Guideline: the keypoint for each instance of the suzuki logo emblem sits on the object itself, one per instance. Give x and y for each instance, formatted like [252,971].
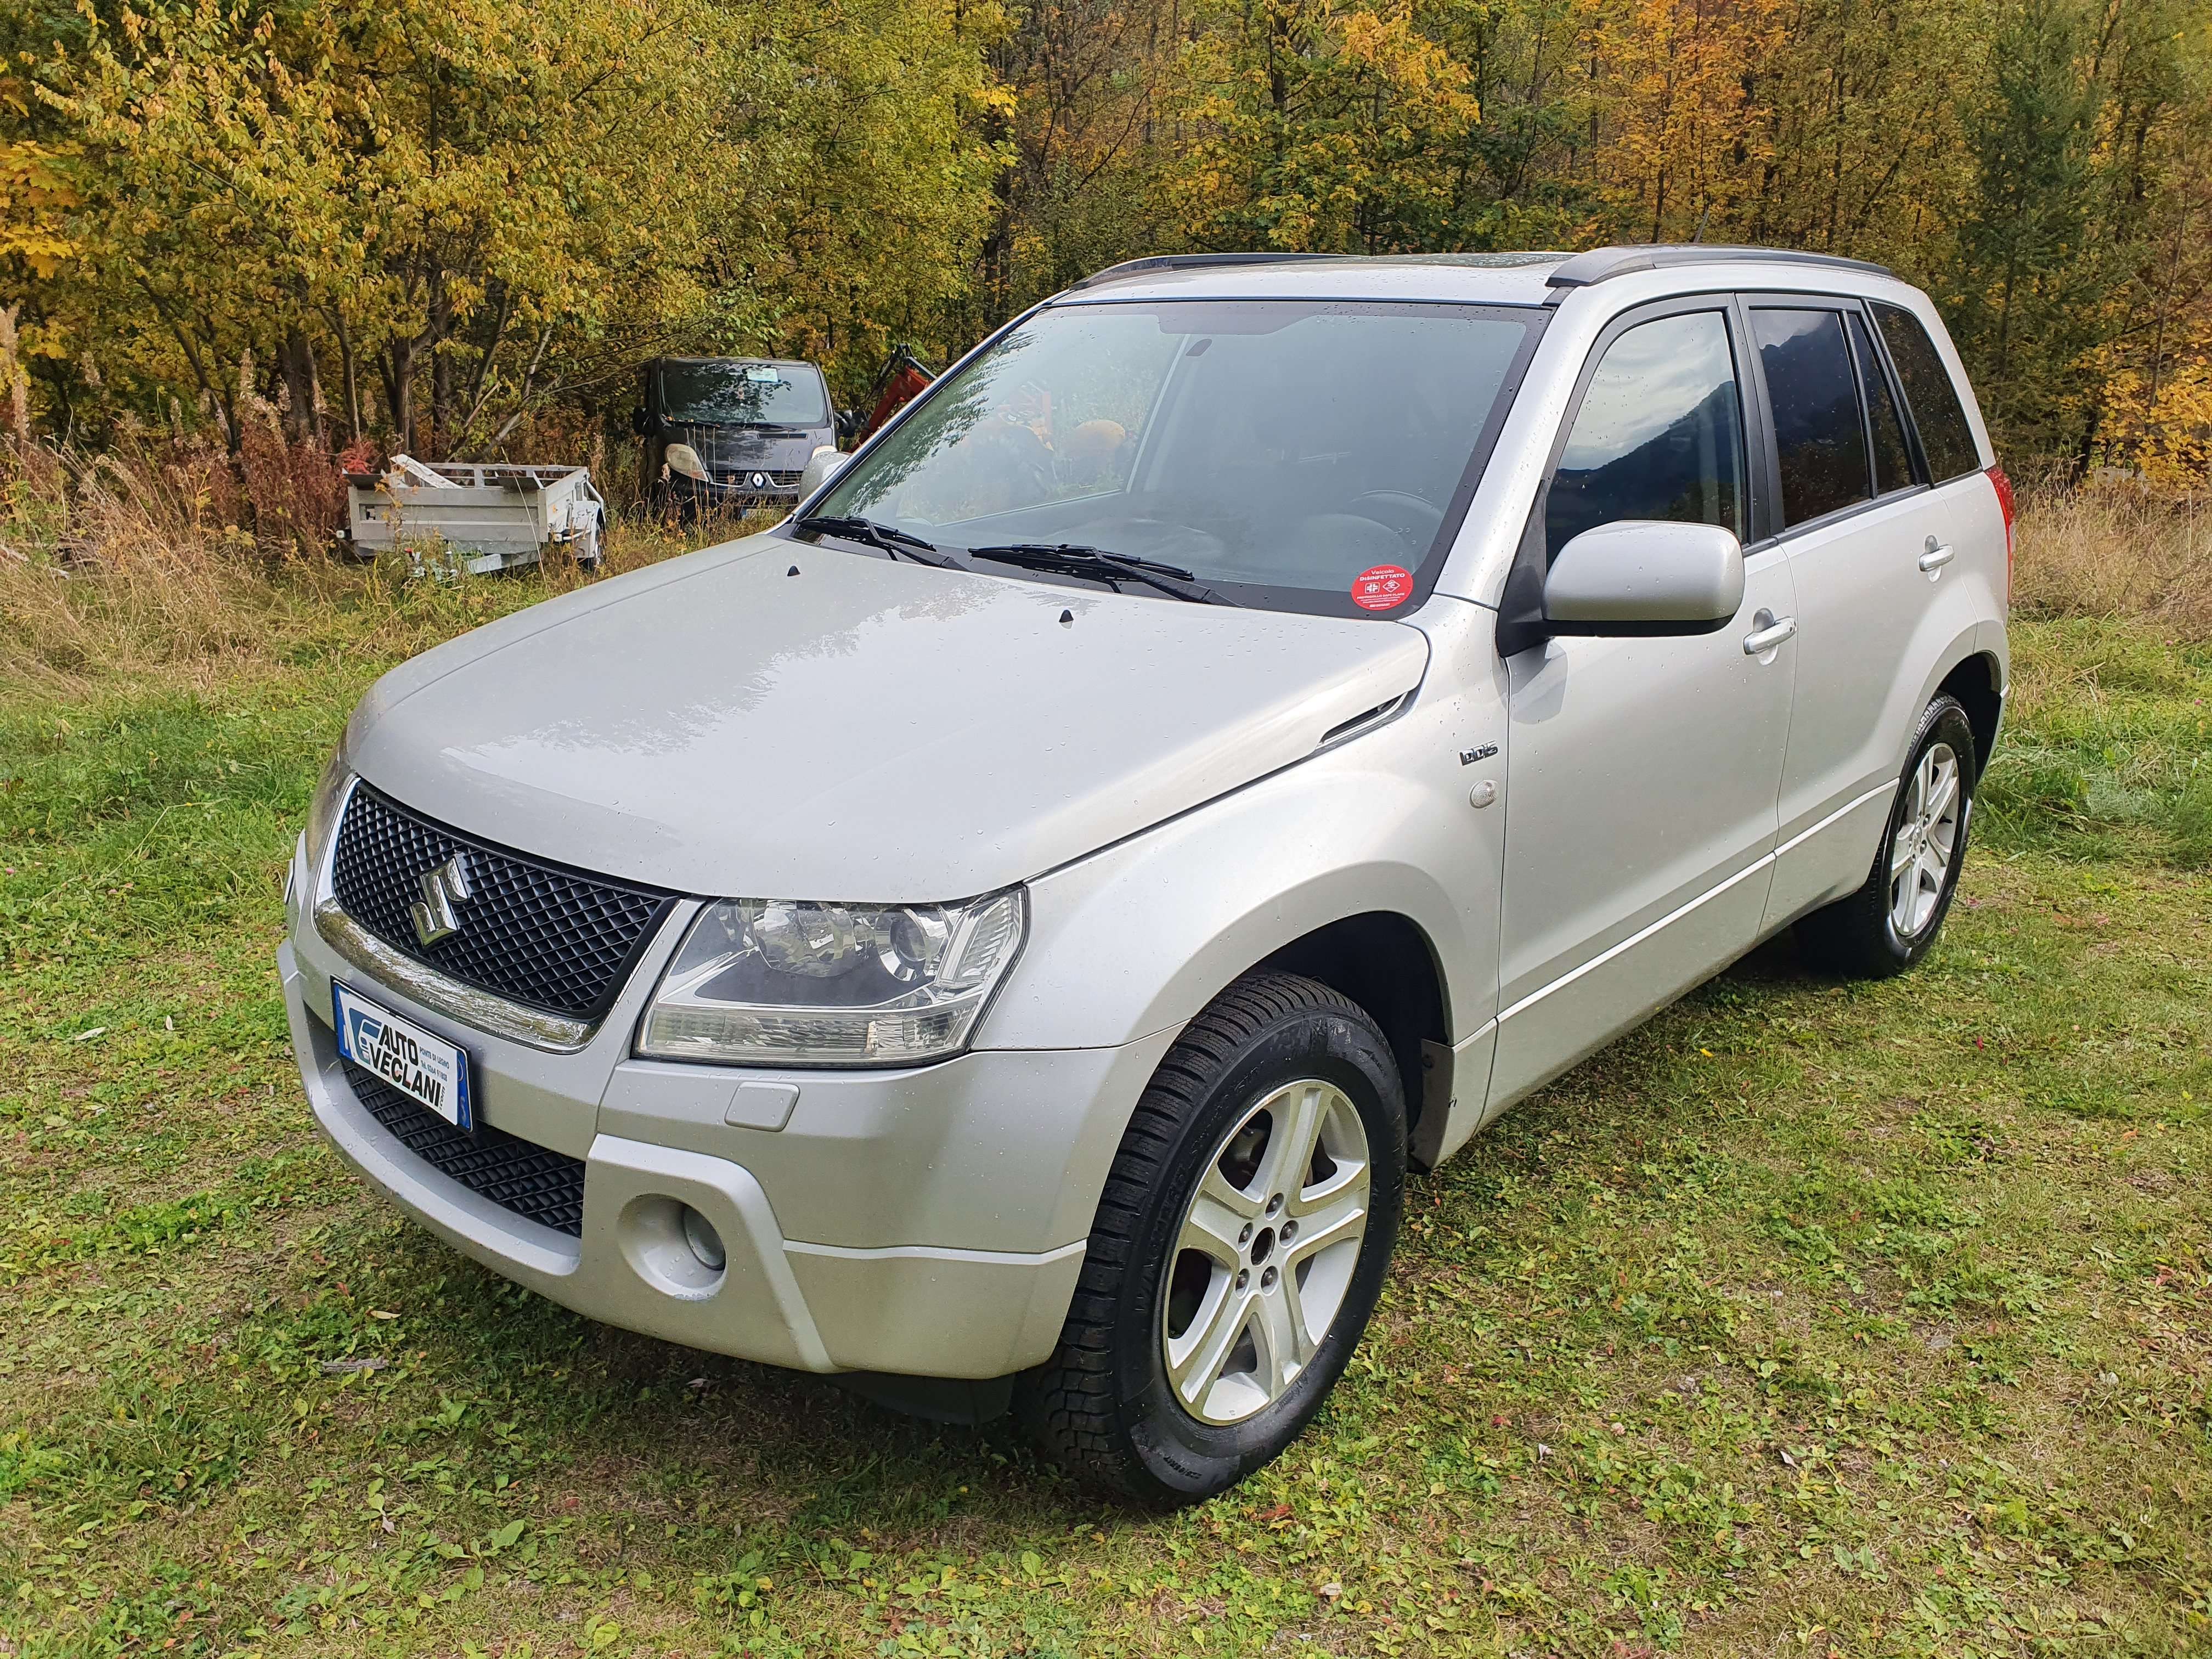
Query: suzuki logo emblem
[442,888]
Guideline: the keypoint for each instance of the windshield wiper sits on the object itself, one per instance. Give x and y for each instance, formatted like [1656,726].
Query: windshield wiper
[887,539]
[1074,559]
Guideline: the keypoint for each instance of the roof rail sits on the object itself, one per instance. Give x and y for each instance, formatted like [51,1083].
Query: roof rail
[1600,264]
[1189,262]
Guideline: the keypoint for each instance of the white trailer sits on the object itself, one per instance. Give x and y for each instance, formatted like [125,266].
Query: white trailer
[478,517]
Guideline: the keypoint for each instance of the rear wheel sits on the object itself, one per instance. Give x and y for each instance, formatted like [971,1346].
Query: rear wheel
[1238,1250]
[1890,923]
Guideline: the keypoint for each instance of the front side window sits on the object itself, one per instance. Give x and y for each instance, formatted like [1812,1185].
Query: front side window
[1945,437]
[1659,434]
[1276,450]
[714,392]
[1820,435]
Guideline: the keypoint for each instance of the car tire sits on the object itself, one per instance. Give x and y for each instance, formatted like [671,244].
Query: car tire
[1890,923]
[1274,1063]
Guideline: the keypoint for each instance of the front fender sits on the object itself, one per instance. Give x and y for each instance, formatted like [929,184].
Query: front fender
[1137,938]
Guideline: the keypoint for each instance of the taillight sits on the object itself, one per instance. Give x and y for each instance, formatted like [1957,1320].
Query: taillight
[2004,504]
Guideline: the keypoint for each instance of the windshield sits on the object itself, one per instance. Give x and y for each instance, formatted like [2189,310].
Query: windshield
[720,393]
[1301,455]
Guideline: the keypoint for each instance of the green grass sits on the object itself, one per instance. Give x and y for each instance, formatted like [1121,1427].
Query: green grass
[1810,1319]
[2109,749]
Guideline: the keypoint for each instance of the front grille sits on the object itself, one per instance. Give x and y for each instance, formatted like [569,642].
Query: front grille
[776,480]
[534,1182]
[532,932]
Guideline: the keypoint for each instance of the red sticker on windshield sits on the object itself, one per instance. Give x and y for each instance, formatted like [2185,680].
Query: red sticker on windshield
[1382,588]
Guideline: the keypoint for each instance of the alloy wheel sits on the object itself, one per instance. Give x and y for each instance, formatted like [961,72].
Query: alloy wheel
[1926,843]
[1266,1251]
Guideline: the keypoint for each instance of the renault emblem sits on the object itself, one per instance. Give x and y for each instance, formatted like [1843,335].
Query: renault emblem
[443,887]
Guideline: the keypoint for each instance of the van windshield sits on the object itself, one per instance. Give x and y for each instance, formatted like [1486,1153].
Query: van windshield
[720,393]
[1282,451]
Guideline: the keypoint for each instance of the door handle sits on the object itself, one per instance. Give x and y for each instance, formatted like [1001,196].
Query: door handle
[1772,632]
[1936,556]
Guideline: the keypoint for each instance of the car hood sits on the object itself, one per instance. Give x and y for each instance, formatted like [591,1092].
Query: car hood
[774,448]
[778,721]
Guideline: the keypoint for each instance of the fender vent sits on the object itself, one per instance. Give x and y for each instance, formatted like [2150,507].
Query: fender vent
[1375,716]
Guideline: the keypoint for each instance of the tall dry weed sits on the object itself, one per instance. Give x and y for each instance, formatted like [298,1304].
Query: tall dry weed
[135,565]
[121,562]
[2113,549]
[139,563]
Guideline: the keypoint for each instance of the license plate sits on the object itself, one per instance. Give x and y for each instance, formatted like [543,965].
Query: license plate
[423,1067]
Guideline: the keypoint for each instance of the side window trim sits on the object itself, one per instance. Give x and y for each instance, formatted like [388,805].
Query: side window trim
[1770,468]
[1765,462]
[1859,364]
[1521,601]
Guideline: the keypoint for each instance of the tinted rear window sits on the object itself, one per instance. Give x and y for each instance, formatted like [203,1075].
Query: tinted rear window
[1892,460]
[1817,434]
[1945,437]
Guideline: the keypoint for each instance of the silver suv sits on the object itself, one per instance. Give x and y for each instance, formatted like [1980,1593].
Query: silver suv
[1007,934]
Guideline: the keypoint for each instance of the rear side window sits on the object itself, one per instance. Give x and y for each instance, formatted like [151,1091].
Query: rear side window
[1659,434]
[1945,437]
[1893,458]
[1817,434]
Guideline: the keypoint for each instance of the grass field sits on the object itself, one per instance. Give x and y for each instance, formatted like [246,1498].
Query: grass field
[1811,1319]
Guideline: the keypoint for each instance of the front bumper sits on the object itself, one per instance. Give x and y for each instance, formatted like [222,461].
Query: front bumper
[928,1222]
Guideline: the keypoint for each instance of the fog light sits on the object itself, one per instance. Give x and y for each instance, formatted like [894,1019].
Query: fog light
[705,1243]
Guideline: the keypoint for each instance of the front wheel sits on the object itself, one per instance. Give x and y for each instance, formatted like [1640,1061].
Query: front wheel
[1238,1250]
[1890,923]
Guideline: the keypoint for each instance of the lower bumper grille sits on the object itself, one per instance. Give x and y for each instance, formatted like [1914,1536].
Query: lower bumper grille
[534,1182]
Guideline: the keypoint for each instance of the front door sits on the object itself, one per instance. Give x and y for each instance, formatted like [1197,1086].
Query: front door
[1641,772]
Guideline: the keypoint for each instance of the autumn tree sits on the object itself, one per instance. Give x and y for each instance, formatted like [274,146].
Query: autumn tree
[434,218]
[1325,125]
[1085,136]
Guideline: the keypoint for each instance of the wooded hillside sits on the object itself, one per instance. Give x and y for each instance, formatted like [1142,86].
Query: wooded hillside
[458,226]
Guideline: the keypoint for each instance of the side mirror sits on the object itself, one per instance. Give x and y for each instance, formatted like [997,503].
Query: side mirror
[849,422]
[823,464]
[1646,576]
[639,425]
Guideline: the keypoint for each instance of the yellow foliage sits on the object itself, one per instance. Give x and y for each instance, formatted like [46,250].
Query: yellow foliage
[2162,430]
[35,198]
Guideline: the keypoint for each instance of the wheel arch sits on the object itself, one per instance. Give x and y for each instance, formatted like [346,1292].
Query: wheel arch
[1977,681]
[1384,961]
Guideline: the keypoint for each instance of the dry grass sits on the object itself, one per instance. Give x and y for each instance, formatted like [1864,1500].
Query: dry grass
[2114,550]
[131,568]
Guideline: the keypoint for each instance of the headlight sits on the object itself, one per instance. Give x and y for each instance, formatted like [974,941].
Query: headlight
[323,809]
[774,982]
[681,457]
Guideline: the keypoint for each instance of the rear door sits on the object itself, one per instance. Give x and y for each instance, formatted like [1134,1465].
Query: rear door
[1857,521]
[1950,458]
